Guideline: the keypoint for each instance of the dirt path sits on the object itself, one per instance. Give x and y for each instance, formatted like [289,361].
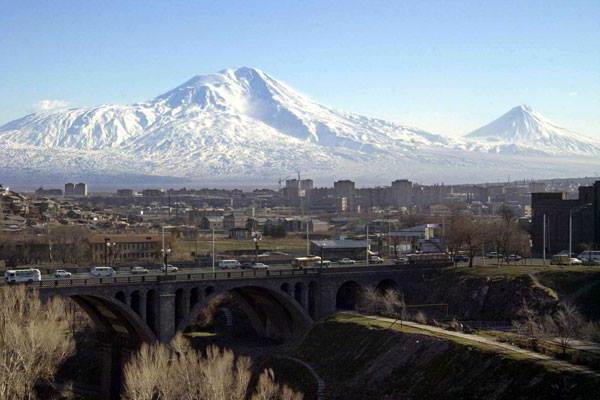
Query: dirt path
[498,346]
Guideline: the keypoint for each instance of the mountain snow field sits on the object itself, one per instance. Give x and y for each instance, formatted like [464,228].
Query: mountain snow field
[243,124]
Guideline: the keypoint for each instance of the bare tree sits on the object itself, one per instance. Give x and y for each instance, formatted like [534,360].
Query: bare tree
[390,303]
[530,324]
[34,339]
[177,371]
[566,324]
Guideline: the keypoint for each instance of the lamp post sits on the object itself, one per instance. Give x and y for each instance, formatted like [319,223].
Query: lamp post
[107,246]
[213,248]
[256,237]
[165,253]
[367,246]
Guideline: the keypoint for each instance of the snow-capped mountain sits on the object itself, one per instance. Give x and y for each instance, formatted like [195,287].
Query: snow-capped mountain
[524,131]
[243,124]
[237,121]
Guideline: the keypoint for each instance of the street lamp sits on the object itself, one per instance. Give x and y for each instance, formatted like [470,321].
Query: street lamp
[165,253]
[256,237]
[107,245]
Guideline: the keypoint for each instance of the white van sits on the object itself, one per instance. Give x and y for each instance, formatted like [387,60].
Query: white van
[102,271]
[28,275]
[589,256]
[226,264]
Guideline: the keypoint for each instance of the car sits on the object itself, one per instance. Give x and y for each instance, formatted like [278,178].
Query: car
[61,273]
[246,265]
[229,264]
[169,268]
[139,270]
[401,261]
[576,261]
[259,266]
[513,257]
[376,260]
[461,258]
[346,261]
[493,254]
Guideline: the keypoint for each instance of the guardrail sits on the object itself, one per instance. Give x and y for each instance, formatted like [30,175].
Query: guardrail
[175,277]
[182,276]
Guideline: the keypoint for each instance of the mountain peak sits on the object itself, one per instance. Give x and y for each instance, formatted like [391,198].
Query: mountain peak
[523,130]
[523,108]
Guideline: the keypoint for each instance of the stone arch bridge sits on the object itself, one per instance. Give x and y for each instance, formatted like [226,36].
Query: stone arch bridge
[129,310]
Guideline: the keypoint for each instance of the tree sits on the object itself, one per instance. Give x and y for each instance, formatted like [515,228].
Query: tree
[390,303]
[566,324]
[530,324]
[34,339]
[178,371]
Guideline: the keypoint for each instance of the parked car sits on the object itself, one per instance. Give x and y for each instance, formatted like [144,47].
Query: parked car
[169,268]
[259,266]
[461,258]
[61,273]
[103,271]
[139,270]
[376,260]
[513,258]
[493,254]
[401,261]
[346,261]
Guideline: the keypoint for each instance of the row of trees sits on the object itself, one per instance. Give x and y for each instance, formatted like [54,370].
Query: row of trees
[474,235]
[61,244]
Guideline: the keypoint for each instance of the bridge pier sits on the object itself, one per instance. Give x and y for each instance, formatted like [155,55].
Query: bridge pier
[166,318]
[114,353]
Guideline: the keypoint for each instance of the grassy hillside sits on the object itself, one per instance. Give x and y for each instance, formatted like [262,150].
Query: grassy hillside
[363,359]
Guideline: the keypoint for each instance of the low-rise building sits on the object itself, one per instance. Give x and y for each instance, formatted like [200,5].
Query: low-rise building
[116,248]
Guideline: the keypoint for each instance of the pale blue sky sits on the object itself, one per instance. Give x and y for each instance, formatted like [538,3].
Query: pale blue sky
[445,66]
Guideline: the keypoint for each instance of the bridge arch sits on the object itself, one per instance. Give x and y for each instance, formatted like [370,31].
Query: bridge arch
[386,284]
[272,312]
[113,317]
[348,296]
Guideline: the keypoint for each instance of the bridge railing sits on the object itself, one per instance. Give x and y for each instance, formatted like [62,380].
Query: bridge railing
[178,277]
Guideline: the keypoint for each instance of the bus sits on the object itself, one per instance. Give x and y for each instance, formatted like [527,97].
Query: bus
[306,262]
[28,275]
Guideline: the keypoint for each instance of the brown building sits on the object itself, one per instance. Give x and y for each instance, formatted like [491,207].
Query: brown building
[125,247]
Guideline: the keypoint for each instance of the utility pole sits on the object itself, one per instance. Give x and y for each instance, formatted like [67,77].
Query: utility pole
[570,234]
[367,252]
[544,238]
[307,241]
[213,248]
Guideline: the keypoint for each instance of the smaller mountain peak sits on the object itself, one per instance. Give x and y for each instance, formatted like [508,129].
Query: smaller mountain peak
[523,108]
